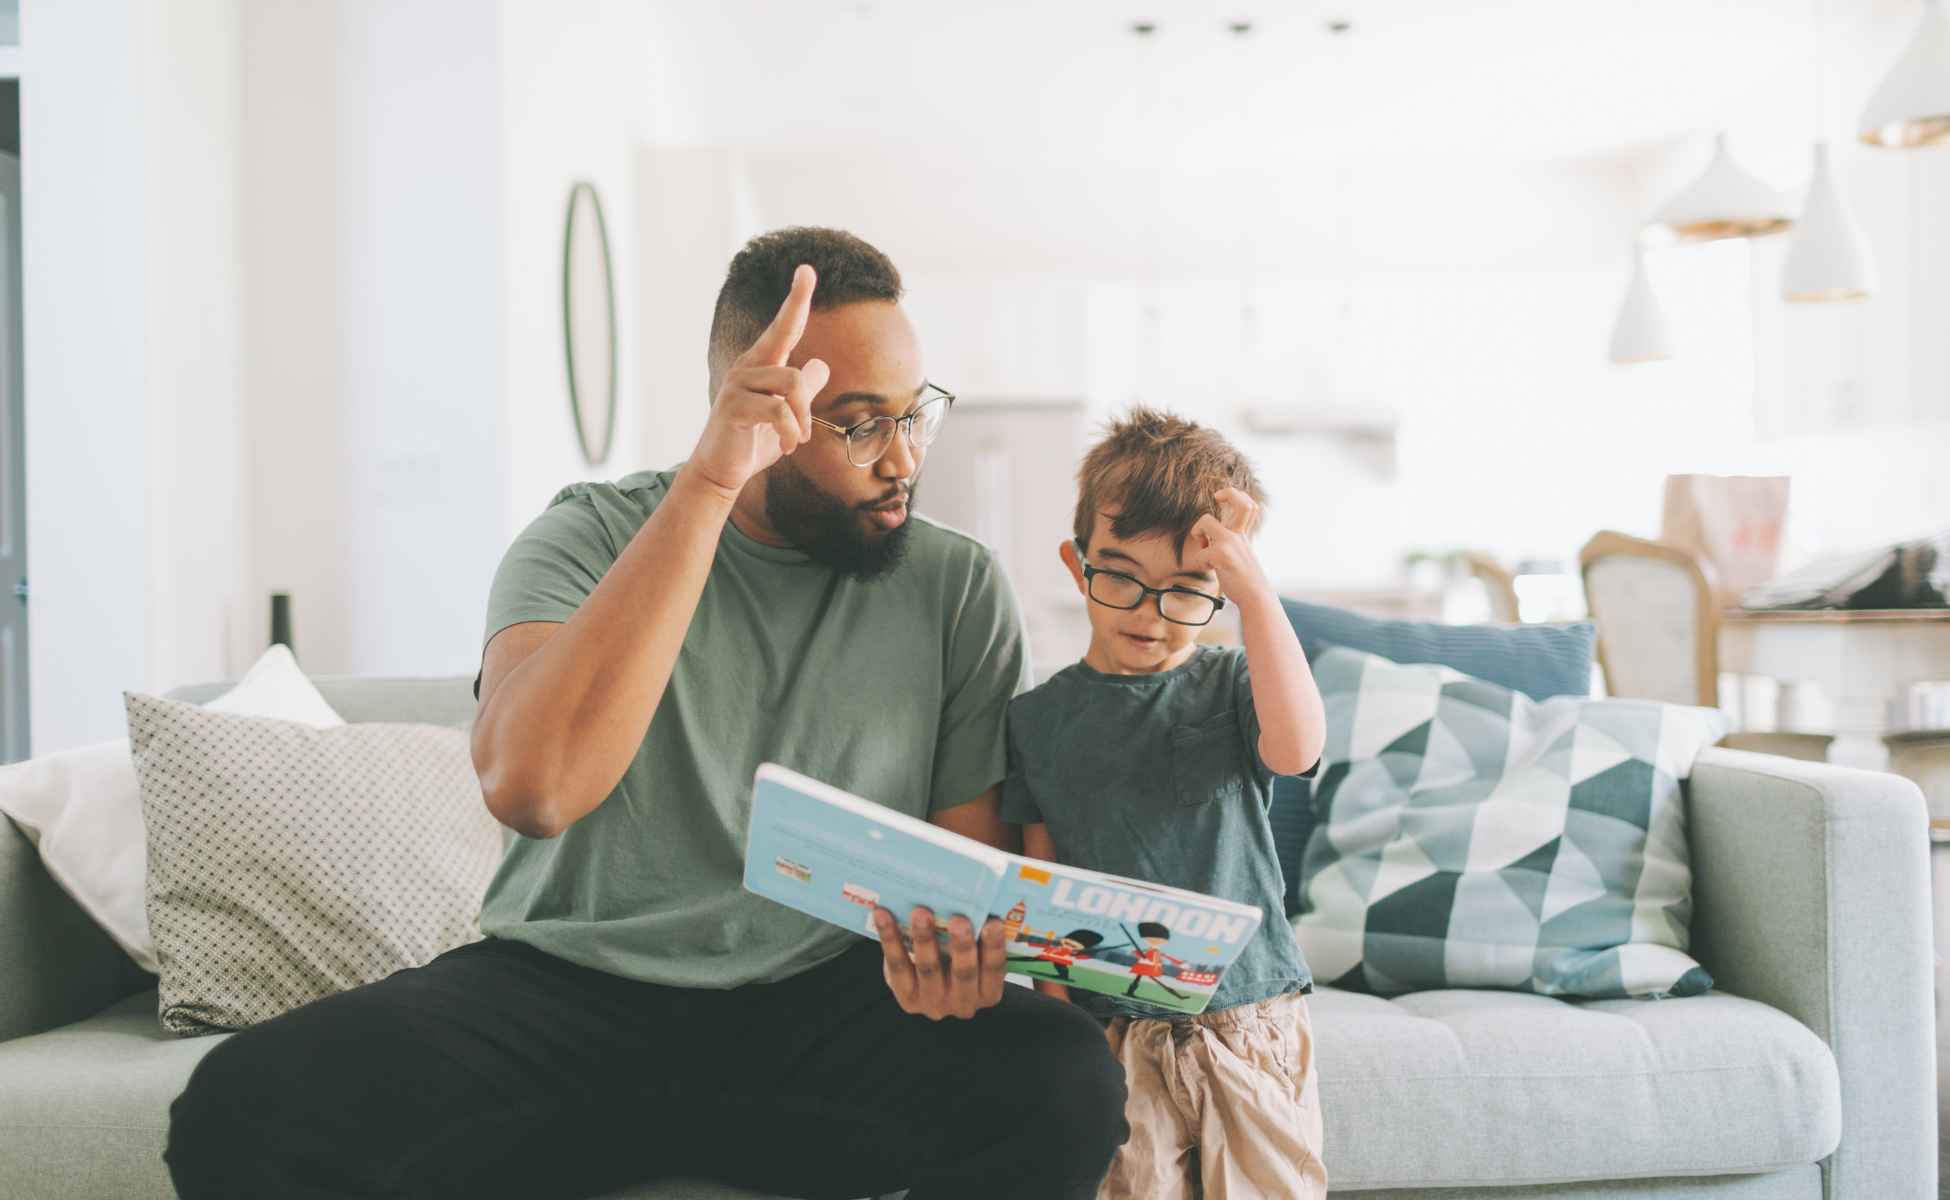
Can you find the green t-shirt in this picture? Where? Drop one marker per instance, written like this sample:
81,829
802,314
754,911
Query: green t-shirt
896,690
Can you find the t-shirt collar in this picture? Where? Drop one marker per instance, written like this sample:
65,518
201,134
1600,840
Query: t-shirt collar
1090,674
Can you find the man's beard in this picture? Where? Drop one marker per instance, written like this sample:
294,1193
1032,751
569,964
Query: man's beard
830,531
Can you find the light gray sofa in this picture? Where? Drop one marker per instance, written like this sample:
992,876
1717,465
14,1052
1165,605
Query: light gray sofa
1810,1073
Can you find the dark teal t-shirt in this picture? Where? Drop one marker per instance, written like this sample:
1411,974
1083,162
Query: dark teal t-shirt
1158,777
895,690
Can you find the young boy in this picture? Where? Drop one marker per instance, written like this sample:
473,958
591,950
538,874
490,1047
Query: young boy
1154,758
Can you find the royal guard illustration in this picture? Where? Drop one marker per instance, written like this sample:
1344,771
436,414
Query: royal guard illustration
1064,952
1151,956
1012,922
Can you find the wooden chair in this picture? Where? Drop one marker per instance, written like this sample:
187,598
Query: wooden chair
1658,632
1498,582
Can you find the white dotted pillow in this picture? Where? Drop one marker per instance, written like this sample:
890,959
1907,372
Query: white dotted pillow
287,862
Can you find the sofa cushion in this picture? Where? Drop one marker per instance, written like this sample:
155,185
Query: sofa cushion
1473,838
1490,1088
84,1111
1538,660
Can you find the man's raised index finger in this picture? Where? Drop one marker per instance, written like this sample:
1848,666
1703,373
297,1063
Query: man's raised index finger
775,345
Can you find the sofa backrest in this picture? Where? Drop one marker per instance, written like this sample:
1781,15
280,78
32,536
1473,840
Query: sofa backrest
447,700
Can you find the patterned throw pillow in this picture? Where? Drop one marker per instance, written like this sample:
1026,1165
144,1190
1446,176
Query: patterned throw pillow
1470,837
287,863
1539,660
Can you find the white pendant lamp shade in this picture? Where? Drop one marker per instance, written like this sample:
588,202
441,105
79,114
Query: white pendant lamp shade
1828,258
1725,202
1912,107
1640,335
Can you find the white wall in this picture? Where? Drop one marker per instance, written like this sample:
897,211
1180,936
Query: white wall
372,180
293,281
408,173
697,207
294,472
586,88
129,127
417,174
198,551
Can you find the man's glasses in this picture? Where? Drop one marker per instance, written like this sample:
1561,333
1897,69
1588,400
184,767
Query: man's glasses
869,440
1179,605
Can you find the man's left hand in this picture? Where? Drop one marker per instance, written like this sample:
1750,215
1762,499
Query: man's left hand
969,981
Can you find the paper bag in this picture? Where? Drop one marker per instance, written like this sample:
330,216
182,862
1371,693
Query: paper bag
1731,523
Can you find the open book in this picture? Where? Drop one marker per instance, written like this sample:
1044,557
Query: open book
837,857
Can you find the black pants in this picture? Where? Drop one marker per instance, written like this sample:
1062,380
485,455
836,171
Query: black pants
497,1070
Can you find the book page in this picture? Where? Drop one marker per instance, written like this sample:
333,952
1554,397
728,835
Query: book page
1120,937
836,857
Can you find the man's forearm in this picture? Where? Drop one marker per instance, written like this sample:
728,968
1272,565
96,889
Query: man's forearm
554,737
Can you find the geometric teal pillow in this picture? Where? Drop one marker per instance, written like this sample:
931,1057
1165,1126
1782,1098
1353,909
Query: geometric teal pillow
1538,660
1470,837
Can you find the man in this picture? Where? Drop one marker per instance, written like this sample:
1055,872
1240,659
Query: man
633,1013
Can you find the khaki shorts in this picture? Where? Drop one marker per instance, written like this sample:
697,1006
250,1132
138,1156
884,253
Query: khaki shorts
1223,1105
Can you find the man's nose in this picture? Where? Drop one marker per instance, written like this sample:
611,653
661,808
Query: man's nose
901,460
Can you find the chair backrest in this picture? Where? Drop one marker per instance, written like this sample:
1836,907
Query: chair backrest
1498,582
443,700
1657,623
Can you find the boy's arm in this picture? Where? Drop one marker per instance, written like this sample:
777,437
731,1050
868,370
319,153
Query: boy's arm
981,819
1037,843
1292,719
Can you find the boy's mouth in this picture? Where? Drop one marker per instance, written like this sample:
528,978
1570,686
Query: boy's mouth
1143,642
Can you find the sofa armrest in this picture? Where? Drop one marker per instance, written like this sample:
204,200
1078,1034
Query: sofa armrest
56,964
1812,894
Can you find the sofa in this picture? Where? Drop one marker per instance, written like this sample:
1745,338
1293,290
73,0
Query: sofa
1809,1072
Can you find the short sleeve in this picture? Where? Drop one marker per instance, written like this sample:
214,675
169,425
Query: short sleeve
549,570
988,664
1019,806
1242,699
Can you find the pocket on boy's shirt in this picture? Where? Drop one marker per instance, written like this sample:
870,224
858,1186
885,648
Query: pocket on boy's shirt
1206,763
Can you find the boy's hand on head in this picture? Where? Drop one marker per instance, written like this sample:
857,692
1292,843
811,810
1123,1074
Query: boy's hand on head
1223,544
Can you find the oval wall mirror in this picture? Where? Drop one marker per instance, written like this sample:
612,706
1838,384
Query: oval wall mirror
589,323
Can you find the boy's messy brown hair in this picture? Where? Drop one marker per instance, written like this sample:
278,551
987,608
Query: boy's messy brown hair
1158,473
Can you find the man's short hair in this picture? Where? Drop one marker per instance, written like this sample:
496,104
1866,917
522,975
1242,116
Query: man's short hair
1158,473
760,278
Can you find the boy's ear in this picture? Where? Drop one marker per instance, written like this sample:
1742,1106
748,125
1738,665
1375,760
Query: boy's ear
1068,553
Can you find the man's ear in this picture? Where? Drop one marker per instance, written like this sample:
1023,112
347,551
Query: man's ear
1071,559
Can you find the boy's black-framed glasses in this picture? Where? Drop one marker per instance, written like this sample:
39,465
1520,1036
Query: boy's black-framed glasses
1179,605
868,441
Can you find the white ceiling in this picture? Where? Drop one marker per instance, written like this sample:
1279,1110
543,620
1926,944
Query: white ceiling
1551,79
